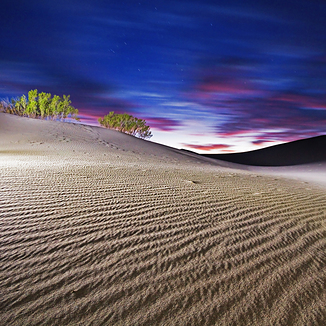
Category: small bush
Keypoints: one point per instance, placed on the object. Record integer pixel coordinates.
(40, 105)
(127, 124)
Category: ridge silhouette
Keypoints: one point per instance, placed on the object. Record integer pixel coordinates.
(304, 151)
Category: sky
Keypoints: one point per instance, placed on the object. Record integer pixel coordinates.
(207, 76)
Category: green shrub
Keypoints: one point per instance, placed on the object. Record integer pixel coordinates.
(41, 105)
(127, 124)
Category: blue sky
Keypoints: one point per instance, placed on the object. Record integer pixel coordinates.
(208, 76)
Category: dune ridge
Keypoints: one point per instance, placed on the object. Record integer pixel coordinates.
(303, 151)
(100, 228)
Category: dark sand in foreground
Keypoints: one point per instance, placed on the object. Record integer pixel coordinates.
(100, 228)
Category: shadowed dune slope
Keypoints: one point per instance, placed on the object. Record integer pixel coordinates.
(303, 151)
(100, 228)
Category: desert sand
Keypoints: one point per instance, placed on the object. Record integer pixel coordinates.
(101, 228)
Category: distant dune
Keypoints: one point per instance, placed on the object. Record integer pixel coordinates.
(100, 228)
(303, 151)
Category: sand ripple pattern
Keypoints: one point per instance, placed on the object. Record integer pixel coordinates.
(94, 244)
(99, 228)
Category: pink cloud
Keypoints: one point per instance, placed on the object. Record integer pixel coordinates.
(227, 151)
(235, 133)
(302, 101)
(261, 142)
(233, 88)
(208, 147)
(163, 124)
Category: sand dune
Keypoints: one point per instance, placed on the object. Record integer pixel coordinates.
(301, 160)
(304, 151)
(100, 228)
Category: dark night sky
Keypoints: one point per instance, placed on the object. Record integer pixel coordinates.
(206, 75)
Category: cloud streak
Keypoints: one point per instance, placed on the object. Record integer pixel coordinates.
(208, 147)
(164, 124)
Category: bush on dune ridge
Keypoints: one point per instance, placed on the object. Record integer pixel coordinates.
(40, 105)
(127, 124)
(43, 106)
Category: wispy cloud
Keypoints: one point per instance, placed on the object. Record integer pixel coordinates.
(163, 124)
(208, 147)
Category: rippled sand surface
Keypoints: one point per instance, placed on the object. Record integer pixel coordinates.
(100, 228)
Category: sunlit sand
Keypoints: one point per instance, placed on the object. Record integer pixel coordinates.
(101, 228)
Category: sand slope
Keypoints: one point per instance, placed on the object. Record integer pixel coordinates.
(99, 228)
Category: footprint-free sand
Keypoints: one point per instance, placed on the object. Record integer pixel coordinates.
(101, 228)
